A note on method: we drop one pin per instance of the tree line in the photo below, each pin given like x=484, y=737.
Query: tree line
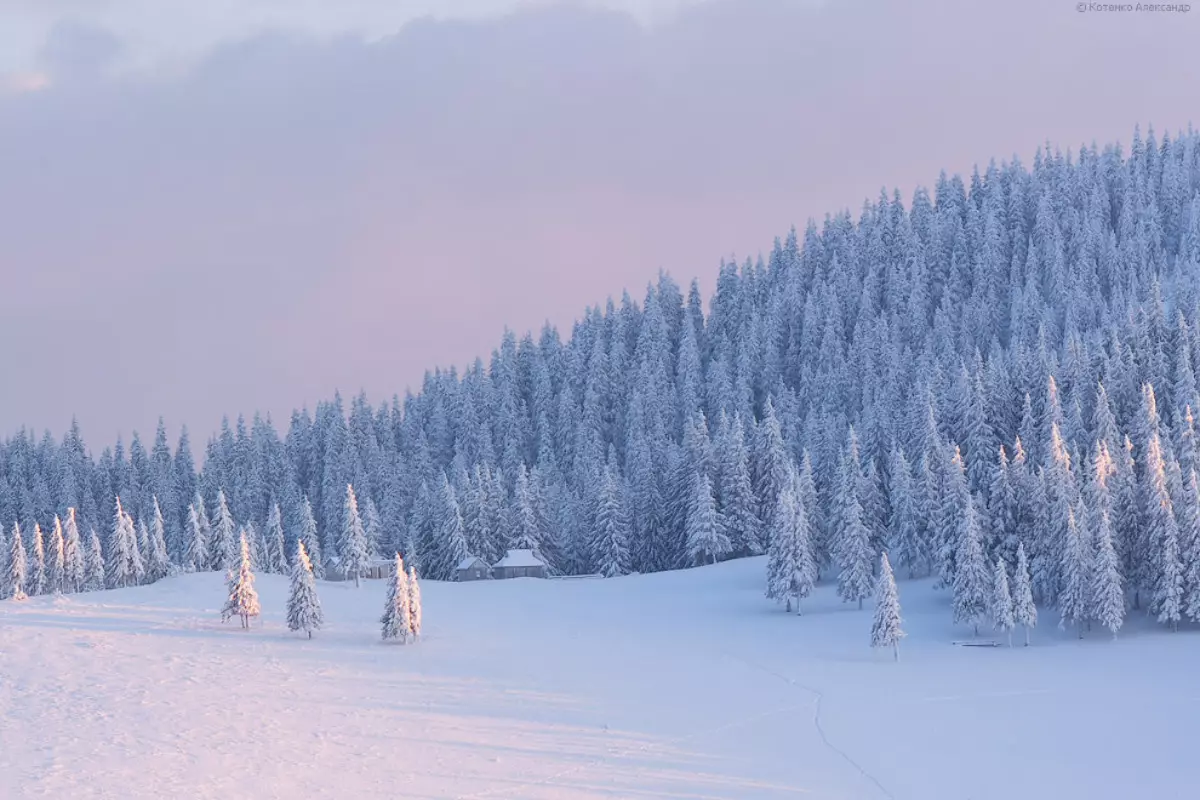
x=1006, y=362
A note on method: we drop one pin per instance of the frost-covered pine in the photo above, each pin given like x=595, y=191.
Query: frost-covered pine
x=1024, y=611
x=158, y=565
x=37, y=574
x=905, y=538
x=414, y=604
x=972, y=580
x=242, y=599
x=886, y=630
x=303, y=606
x=353, y=555
x=610, y=544
x=56, y=559
x=1002, y=602
x=277, y=561
x=74, y=555
x=373, y=527
x=853, y=550
x=1107, y=594
x=1073, y=598
x=97, y=570
x=310, y=537
x=706, y=539
x=139, y=541
x=18, y=568
x=122, y=544
x=1161, y=535
x=223, y=547
x=397, y=613
x=195, y=548
x=791, y=570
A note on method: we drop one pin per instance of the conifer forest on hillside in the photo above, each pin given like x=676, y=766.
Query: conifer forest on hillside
x=1000, y=372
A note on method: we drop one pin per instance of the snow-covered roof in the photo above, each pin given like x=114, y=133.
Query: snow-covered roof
x=520, y=558
x=472, y=561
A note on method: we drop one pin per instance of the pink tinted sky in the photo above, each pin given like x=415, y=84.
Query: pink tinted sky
x=287, y=216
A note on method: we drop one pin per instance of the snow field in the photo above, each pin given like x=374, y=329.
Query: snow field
x=675, y=685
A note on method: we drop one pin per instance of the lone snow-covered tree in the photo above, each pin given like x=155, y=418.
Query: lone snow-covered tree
x=1002, y=602
x=414, y=604
x=158, y=565
x=223, y=547
x=18, y=568
x=886, y=630
x=1024, y=611
x=303, y=606
x=971, y=578
x=397, y=613
x=242, y=599
x=354, y=554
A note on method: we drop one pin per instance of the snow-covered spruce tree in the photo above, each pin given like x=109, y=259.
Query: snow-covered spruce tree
x=397, y=613
x=138, y=544
x=1024, y=610
x=18, y=567
x=74, y=555
x=905, y=540
x=373, y=527
x=451, y=535
x=223, y=546
x=738, y=500
x=97, y=570
x=312, y=540
x=353, y=555
x=242, y=599
x=37, y=572
x=886, y=630
x=791, y=570
x=971, y=577
x=158, y=565
x=770, y=462
x=1162, y=535
x=56, y=561
x=1001, y=604
x=277, y=561
x=120, y=556
x=1073, y=596
x=806, y=493
x=303, y=606
x=1002, y=508
x=953, y=502
x=1107, y=596
x=853, y=544
x=610, y=543
x=1189, y=535
x=414, y=604
x=195, y=549
x=706, y=539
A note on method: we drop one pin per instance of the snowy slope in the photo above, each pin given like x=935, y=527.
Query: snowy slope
x=680, y=685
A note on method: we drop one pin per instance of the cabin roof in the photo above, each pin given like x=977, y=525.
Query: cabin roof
x=520, y=558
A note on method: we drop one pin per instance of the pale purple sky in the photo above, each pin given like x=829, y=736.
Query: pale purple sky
x=198, y=216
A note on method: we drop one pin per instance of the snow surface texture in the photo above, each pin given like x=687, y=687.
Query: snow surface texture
x=682, y=685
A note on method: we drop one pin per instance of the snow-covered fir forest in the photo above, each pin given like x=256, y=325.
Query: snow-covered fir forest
x=1003, y=369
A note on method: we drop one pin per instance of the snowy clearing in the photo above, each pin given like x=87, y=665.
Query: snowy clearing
x=675, y=685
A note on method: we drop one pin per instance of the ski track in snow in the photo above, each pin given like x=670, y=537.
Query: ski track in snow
x=818, y=698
